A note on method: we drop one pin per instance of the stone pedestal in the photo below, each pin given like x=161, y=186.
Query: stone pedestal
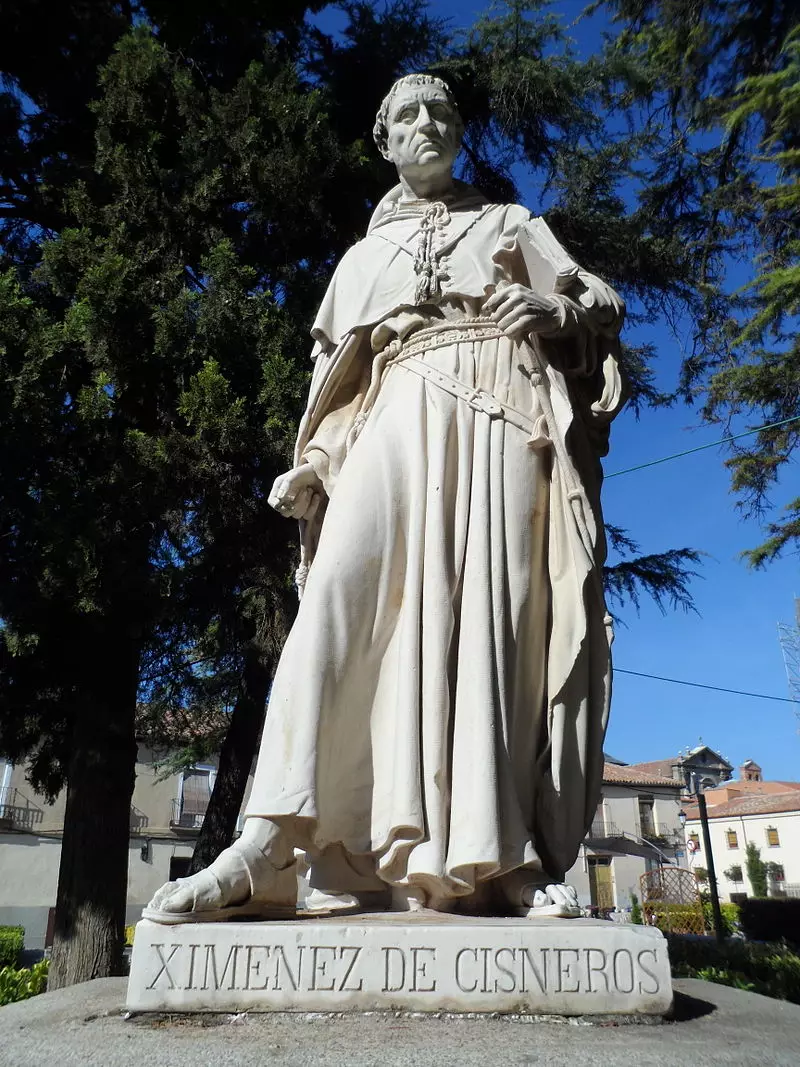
x=414, y=962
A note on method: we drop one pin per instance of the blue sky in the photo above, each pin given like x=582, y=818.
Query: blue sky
x=732, y=641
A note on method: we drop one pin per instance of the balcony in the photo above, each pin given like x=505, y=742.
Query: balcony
x=139, y=820
x=186, y=817
x=16, y=811
x=660, y=833
x=602, y=829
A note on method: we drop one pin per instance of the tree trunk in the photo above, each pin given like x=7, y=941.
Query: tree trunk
x=93, y=875
x=235, y=761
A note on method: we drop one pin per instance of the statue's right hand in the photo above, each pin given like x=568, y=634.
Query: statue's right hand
x=295, y=493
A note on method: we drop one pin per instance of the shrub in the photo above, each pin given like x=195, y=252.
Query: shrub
x=771, y=920
x=23, y=983
x=636, y=910
x=773, y=970
x=725, y=976
x=11, y=941
x=730, y=917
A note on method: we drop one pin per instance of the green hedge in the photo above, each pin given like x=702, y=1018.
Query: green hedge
x=772, y=919
x=12, y=939
x=23, y=983
x=773, y=970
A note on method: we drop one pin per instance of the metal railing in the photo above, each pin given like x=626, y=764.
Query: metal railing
x=601, y=828
x=17, y=811
x=660, y=832
x=139, y=820
x=186, y=818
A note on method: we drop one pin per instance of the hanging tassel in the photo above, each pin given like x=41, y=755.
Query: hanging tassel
x=539, y=438
x=430, y=277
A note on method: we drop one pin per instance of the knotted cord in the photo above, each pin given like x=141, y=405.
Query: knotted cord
x=426, y=266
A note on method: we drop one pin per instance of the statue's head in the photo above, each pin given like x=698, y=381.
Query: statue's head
x=418, y=126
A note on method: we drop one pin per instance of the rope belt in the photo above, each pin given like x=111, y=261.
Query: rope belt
x=403, y=354
x=448, y=333
x=480, y=400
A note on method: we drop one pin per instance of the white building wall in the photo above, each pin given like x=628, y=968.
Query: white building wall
x=748, y=828
x=619, y=808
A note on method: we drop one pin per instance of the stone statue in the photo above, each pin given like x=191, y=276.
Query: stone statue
x=435, y=728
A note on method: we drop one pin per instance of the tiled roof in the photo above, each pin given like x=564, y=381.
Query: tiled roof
x=631, y=775
x=751, y=788
x=662, y=768
x=758, y=804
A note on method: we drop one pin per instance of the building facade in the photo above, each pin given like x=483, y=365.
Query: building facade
x=635, y=829
x=695, y=768
x=749, y=810
x=167, y=812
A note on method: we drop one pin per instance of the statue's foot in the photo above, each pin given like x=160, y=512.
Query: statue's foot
x=319, y=902
x=416, y=898
x=240, y=883
x=555, y=901
x=531, y=893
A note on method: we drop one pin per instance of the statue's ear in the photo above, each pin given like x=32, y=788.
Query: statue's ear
x=383, y=148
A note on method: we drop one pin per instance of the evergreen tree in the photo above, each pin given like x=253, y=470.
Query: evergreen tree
x=713, y=89
x=756, y=870
x=766, y=377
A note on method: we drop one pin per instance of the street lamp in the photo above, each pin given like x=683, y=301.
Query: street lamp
x=716, y=913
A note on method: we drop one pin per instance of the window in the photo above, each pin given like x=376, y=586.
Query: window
x=776, y=872
x=694, y=841
x=179, y=867
x=732, y=838
x=194, y=793
x=773, y=840
x=646, y=817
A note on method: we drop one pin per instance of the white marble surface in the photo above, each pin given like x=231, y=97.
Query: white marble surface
x=436, y=720
x=420, y=962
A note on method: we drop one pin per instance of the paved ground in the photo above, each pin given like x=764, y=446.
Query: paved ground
x=83, y=1027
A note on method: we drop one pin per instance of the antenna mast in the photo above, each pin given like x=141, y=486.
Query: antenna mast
x=789, y=637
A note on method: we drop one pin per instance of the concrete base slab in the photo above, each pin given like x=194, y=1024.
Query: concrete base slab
x=423, y=962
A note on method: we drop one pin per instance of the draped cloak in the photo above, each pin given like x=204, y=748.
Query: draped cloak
x=441, y=702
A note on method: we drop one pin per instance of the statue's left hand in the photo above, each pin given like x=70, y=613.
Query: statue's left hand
x=520, y=311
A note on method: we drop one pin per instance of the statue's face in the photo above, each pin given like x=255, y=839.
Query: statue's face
x=424, y=131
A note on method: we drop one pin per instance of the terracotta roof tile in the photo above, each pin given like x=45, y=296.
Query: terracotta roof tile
x=752, y=788
x=759, y=804
x=662, y=768
x=631, y=775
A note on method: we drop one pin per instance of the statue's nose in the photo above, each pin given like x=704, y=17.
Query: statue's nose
x=424, y=120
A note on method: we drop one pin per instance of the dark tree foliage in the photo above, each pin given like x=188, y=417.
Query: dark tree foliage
x=714, y=87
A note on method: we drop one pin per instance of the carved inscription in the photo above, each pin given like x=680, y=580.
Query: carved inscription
x=472, y=970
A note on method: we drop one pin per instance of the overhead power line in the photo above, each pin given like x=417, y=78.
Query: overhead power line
x=701, y=685
x=699, y=448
